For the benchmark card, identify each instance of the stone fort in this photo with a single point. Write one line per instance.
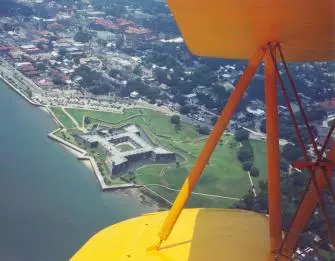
(113, 141)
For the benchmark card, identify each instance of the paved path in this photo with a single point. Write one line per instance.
(73, 120)
(155, 193)
(262, 136)
(195, 193)
(252, 184)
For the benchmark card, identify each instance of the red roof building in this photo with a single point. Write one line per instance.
(330, 104)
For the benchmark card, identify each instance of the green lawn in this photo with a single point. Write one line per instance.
(223, 175)
(260, 159)
(62, 117)
(105, 116)
(158, 123)
(124, 147)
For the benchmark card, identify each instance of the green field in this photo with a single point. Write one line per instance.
(105, 116)
(223, 175)
(260, 159)
(63, 118)
(158, 123)
(124, 147)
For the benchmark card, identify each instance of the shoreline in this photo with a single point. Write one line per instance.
(2, 78)
(130, 189)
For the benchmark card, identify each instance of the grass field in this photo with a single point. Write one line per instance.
(223, 175)
(105, 116)
(68, 123)
(158, 123)
(260, 159)
(124, 147)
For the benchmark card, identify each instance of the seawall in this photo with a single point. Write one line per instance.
(83, 156)
(19, 92)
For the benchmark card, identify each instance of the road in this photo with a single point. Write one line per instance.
(254, 135)
(194, 122)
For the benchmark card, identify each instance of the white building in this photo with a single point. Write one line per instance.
(191, 99)
(134, 94)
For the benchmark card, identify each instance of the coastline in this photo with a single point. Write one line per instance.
(2, 78)
(130, 189)
(75, 153)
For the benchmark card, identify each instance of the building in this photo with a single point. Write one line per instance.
(191, 99)
(125, 147)
(134, 94)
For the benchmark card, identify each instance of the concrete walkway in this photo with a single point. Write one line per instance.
(195, 193)
(262, 136)
(252, 184)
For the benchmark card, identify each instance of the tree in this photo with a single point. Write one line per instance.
(131, 175)
(150, 93)
(241, 135)
(87, 120)
(29, 93)
(175, 119)
(89, 76)
(214, 120)
(50, 46)
(180, 100)
(204, 130)
(41, 66)
(291, 152)
(76, 60)
(206, 100)
(119, 42)
(57, 81)
(177, 164)
(82, 37)
(185, 109)
(245, 153)
(254, 172)
(62, 51)
(114, 72)
(247, 165)
(284, 165)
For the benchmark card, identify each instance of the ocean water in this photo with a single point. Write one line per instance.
(50, 203)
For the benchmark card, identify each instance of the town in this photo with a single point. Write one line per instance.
(91, 61)
(80, 54)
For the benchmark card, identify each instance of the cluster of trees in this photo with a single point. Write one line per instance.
(82, 36)
(58, 81)
(137, 85)
(246, 153)
(89, 76)
(313, 114)
(162, 23)
(241, 135)
(175, 120)
(185, 109)
(203, 130)
(12, 8)
(292, 188)
(287, 131)
(41, 66)
(291, 152)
